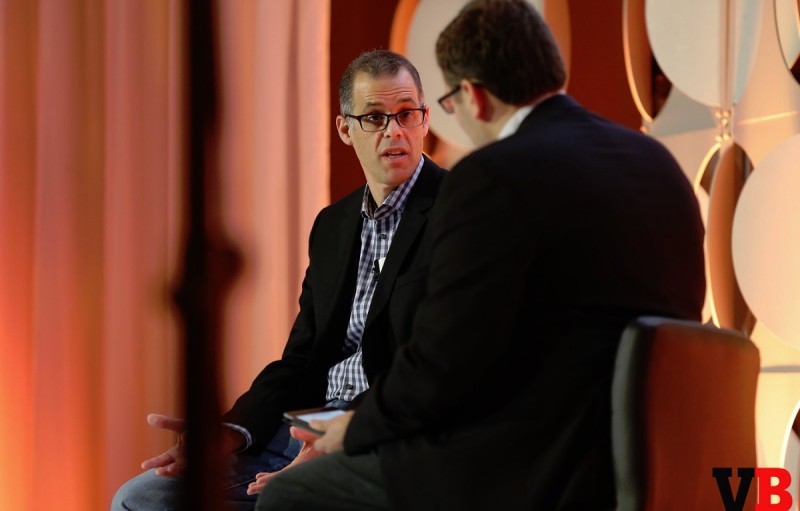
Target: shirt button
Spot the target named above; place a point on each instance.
(382, 236)
(349, 386)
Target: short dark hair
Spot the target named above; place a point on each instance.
(505, 46)
(375, 63)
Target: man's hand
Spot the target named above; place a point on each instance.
(333, 430)
(307, 452)
(173, 461)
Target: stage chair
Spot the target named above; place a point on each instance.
(683, 402)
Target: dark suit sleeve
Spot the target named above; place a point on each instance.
(462, 328)
(261, 408)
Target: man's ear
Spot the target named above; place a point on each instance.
(343, 128)
(478, 99)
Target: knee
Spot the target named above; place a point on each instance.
(121, 500)
(145, 492)
(126, 496)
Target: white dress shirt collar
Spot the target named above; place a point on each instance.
(513, 122)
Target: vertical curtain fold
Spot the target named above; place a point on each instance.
(67, 249)
(91, 162)
(18, 45)
(142, 236)
(274, 67)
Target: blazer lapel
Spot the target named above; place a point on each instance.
(414, 219)
(347, 254)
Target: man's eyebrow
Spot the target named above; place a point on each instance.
(407, 99)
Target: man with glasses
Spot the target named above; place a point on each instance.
(368, 266)
(548, 239)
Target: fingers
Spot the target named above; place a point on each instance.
(319, 425)
(334, 431)
(306, 449)
(166, 422)
(254, 488)
(171, 462)
(303, 435)
(164, 465)
(171, 470)
(307, 452)
(261, 480)
(162, 460)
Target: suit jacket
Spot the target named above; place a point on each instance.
(545, 244)
(300, 378)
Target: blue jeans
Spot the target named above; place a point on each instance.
(149, 491)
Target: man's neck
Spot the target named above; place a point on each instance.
(503, 113)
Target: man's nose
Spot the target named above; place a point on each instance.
(392, 128)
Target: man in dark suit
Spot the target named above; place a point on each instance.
(547, 240)
(366, 275)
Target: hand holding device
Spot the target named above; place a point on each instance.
(301, 418)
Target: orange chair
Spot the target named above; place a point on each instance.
(683, 403)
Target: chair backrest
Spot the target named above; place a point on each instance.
(683, 403)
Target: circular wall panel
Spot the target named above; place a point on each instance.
(429, 18)
(649, 85)
(766, 241)
(787, 22)
(701, 53)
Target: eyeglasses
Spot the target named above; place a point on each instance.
(372, 122)
(444, 101)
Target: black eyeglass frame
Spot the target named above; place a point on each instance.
(444, 98)
(388, 118)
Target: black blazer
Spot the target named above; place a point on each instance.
(300, 378)
(545, 244)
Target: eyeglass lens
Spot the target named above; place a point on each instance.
(379, 122)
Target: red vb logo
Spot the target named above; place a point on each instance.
(766, 490)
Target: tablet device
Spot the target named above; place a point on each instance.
(301, 418)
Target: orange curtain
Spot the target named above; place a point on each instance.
(90, 233)
(274, 73)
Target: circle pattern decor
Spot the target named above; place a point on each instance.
(766, 241)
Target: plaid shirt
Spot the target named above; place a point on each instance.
(347, 379)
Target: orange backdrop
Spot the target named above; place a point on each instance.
(90, 234)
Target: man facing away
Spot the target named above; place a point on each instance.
(368, 262)
(548, 239)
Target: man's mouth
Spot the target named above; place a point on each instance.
(393, 153)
